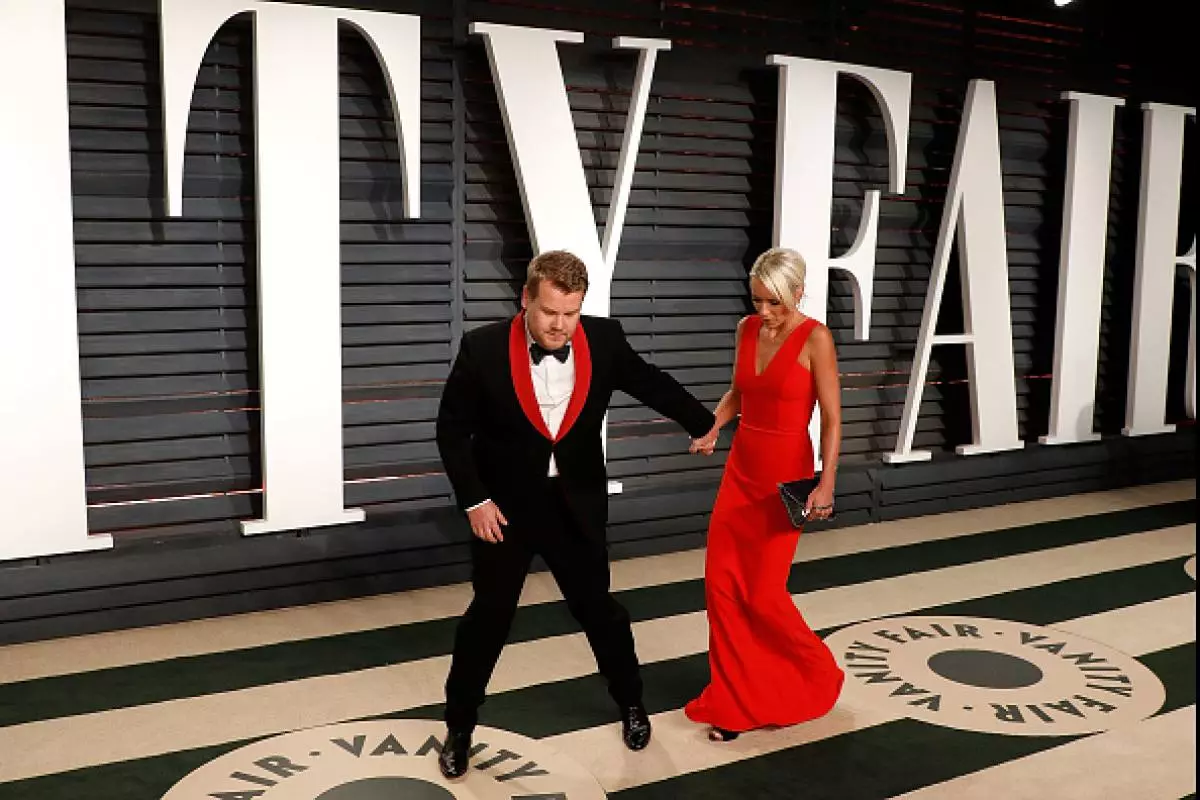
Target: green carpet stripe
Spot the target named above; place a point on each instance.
(144, 779)
(139, 684)
(1045, 605)
(1176, 668)
(871, 764)
(552, 709)
(886, 760)
(564, 706)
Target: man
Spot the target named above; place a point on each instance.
(519, 432)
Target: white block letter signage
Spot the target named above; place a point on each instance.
(545, 152)
(1154, 281)
(804, 179)
(1190, 387)
(974, 197)
(41, 426)
(297, 190)
(1081, 268)
(804, 174)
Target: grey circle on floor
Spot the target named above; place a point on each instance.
(985, 669)
(387, 789)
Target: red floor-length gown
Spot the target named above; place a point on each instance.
(767, 666)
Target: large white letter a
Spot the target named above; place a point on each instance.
(977, 197)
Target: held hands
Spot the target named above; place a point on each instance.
(820, 502)
(706, 443)
(486, 521)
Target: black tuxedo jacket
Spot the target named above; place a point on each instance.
(494, 443)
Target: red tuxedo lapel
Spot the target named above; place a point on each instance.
(519, 367)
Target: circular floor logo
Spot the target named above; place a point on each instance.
(1189, 567)
(386, 760)
(994, 676)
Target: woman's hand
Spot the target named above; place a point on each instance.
(820, 502)
(706, 443)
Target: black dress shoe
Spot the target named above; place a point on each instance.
(455, 755)
(635, 727)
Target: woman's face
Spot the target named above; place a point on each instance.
(774, 313)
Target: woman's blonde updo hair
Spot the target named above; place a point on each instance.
(782, 271)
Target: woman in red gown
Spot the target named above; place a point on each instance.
(767, 666)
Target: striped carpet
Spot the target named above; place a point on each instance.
(126, 715)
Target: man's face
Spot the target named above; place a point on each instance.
(552, 315)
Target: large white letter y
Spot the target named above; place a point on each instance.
(541, 137)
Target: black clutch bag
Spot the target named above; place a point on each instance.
(795, 497)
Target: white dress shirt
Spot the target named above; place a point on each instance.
(553, 385)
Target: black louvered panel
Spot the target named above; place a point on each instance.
(697, 215)
(167, 306)
(1037, 58)
(926, 40)
(165, 320)
(602, 20)
(1032, 137)
(168, 311)
(1027, 49)
(722, 148)
(750, 28)
(1117, 311)
(681, 256)
(397, 277)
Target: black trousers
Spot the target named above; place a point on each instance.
(580, 567)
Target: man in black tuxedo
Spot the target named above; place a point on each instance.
(519, 432)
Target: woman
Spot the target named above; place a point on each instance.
(767, 666)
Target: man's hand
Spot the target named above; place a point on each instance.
(706, 443)
(486, 521)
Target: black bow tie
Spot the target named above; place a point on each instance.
(537, 353)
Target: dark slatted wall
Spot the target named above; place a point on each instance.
(399, 287)
(167, 338)
(167, 306)
(701, 207)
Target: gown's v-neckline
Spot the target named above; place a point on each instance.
(771, 360)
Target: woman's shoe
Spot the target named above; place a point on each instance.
(721, 735)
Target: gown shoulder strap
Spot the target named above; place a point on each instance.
(749, 326)
(800, 337)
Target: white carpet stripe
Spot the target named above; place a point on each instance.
(1144, 628)
(142, 645)
(1153, 760)
(679, 745)
(40, 748)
